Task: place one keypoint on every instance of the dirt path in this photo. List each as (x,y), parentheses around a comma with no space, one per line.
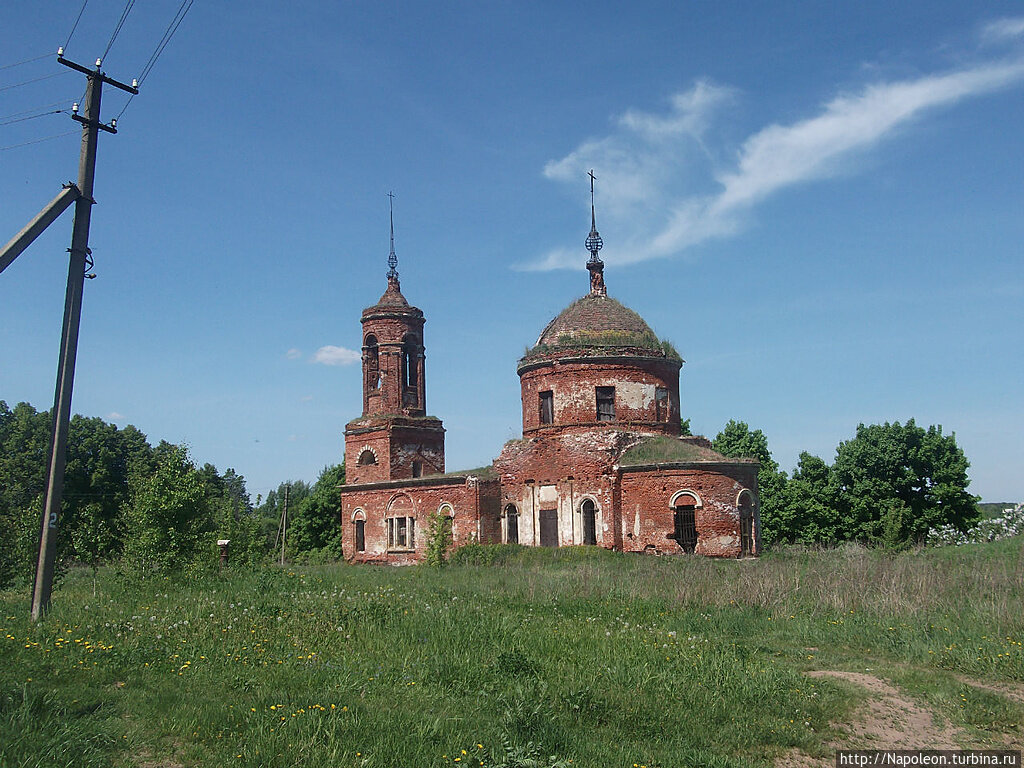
(887,720)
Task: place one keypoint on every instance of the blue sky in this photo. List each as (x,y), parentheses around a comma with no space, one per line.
(821,205)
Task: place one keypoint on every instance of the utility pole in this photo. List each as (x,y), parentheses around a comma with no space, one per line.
(79,262)
(284,522)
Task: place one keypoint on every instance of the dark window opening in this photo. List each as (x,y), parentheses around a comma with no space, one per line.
(746,527)
(549,527)
(547,407)
(511,524)
(366,458)
(589,522)
(661,403)
(410,362)
(360,535)
(685,524)
(606,403)
(371,358)
(417,469)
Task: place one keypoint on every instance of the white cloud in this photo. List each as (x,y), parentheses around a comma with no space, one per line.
(115,416)
(1003,30)
(307,398)
(331,355)
(293,354)
(656,211)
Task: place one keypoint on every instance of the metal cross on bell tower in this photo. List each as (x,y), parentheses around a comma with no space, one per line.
(392,257)
(595,244)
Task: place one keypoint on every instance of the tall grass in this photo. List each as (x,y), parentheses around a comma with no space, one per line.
(574,654)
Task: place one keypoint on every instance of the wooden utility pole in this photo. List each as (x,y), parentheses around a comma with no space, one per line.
(79,262)
(284,522)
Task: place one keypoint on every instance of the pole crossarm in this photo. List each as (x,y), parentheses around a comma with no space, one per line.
(34,228)
(96,73)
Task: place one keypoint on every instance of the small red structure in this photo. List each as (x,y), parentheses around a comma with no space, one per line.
(601,461)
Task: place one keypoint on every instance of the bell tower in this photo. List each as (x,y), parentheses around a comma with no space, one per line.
(394,438)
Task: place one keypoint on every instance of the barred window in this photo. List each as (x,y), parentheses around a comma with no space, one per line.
(401,533)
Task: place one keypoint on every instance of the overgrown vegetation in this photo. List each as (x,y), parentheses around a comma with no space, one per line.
(151,510)
(888,486)
(537,655)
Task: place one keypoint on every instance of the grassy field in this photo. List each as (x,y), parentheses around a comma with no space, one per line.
(567,657)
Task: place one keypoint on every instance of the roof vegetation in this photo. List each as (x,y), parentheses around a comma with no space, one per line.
(661,449)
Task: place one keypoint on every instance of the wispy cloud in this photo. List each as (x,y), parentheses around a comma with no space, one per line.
(293,354)
(1003,30)
(115,416)
(655,212)
(331,355)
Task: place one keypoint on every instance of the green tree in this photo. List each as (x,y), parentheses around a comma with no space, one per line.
(315,528)
(24,454)
(808,514)
(684,428)
(167,520)
(738,441)
(892,482)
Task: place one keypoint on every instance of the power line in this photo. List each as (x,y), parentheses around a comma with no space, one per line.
(179,17)
(168,34)
(37,141)
(35,80)
(26,61)
(73,28)
(32,117)
(117,29)
(36,109)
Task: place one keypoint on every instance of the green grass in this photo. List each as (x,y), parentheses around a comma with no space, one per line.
(585,655)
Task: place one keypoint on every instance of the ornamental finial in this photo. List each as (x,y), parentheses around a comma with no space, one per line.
(595,244)
(392,257)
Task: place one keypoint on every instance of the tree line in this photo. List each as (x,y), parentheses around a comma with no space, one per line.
(887,486)
(150,509)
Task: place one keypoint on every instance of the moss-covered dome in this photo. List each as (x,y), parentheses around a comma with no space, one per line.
(597,324)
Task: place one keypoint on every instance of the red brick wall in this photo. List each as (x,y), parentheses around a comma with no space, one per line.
(397,442)
(474,502)
(647,518)
(574,383)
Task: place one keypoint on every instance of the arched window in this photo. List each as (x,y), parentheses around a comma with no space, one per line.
(371,362)
(589,512)
(359,525)
(366,458)
(511,524)
(684,520)
(746,508)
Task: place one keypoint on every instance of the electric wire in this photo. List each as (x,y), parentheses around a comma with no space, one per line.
(75,26)
(183,10)
(34,80)
(33,117)
(36,109)
(117,29)
(27,61)
(37,141)
(186,5)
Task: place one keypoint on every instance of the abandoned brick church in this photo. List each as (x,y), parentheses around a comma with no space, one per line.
(601,461)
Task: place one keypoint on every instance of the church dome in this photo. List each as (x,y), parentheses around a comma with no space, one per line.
(597,325)
(592,318)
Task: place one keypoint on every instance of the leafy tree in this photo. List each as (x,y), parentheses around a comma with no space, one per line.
(738,441)
(167,520)
(808,514)
(315,526)
(269,512)
(684,428)
(24,454)
(895,481)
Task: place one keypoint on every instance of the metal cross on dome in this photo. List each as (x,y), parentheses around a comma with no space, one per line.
(392,257)
(594,241)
